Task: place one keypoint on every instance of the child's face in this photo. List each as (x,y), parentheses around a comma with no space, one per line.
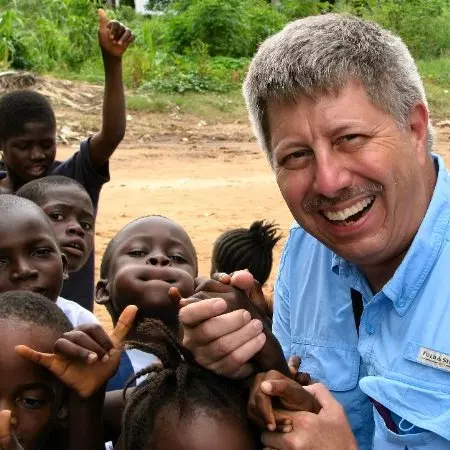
(30,155)
(30,392)
(71,215)
(29,256)
(153,254)
(204,431)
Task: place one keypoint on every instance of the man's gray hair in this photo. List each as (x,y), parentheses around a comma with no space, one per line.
(320,54)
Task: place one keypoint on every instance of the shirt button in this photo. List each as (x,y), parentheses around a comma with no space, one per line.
(401,303)
(370,328)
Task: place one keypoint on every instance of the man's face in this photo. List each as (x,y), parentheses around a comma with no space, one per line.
(30,155)
(350,175)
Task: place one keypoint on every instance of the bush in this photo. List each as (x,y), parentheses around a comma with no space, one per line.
(423,25)
(229,28)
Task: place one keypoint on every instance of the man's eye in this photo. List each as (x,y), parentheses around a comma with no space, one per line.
(296,159)
(56,216)
(347,138)
(137,253)
(3,262)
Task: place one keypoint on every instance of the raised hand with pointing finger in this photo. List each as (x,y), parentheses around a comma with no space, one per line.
(113,37)
(84,360)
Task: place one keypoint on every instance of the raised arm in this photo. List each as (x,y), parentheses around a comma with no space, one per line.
(114,38)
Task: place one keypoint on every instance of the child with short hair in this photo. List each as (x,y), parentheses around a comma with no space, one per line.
(30,258)
(246,248)
(71,214)
(145,259)
(38,411)
(28,140)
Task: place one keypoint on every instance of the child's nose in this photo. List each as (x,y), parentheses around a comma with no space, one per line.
(158,260)
(22,270)
(75,228)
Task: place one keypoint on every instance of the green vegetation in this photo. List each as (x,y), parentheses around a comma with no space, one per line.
(200,46)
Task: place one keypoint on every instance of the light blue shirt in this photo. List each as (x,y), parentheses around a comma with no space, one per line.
(402,355)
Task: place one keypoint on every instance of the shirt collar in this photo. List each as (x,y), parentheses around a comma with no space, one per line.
(402,288)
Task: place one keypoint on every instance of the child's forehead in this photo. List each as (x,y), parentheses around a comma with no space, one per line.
(156,228)
(69,195)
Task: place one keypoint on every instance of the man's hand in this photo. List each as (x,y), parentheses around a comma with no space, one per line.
(221,342)
(82,362)
(113,37)
(8,440)
(275,387)
(224,336)
(327,430)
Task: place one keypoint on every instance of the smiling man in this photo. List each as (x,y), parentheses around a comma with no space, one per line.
(339,108)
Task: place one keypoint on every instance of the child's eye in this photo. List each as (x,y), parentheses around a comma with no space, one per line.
(87,226)
(3,262)
(137,253)
(43,252)
(31,402)
(56,216)
(178,259)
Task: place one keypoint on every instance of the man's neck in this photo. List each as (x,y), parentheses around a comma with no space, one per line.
(10,184)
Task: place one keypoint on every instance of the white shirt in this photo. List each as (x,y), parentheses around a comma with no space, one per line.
(76,313)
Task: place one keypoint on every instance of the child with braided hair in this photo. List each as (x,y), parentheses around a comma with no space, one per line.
(183,406)
(246,248)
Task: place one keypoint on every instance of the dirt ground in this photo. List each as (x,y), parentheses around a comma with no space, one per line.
(206,175)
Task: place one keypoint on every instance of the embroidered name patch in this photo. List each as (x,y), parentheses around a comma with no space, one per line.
(434,359)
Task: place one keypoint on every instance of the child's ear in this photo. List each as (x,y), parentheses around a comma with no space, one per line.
(102,292)
(65,263)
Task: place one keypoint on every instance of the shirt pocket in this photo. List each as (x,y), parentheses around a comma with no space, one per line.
(385,439)
(335,365)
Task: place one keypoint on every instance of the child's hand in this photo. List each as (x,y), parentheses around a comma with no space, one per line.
(113,37)
(273,387)
(85,370)
(8,440)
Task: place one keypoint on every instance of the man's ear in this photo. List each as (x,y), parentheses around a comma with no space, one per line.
(102,293)
(65,264)
(418,121)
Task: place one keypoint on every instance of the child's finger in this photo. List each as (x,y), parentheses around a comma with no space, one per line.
(8,440)
(222,277)
(115,29)
(99,335)
(124,325)
(292,395)
(44,359)
(82,352)
(294,364)
(283,422)
(175,296)
(263,404)
(78,345)
(125,37)
(102,18)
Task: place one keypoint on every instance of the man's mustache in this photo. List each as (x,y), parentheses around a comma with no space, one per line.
(321,202)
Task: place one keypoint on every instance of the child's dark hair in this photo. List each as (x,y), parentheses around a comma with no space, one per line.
(178,383)
(30,307)
(246,248)
(20,107)
(10,202)
(41,189)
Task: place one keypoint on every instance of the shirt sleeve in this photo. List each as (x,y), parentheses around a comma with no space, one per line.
(79,167)
(281,315)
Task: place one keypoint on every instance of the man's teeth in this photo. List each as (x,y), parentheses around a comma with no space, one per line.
(348,212)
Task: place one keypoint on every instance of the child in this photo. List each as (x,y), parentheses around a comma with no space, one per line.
(37,411)
(28,140)
(30,258)
(140,264)
(71,213)
(183,406)
(244,248)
